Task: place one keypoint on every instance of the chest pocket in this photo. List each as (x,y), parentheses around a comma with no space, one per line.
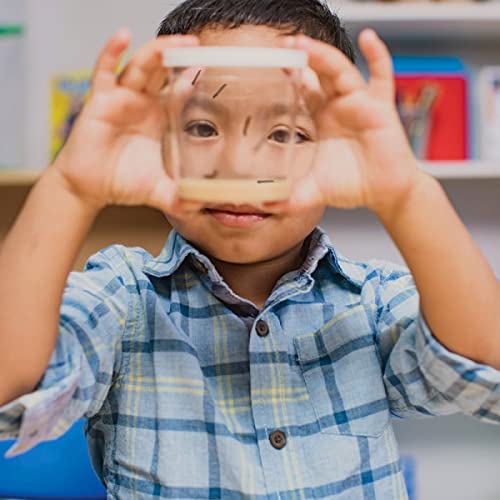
(343,375)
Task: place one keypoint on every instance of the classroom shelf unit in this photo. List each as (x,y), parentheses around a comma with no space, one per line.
(421,20)
(443,170)
(18,178)
(473,169)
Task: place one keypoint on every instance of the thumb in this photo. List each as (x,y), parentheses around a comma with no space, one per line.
(305,194)
(164,194)
(165,198)
(311,92)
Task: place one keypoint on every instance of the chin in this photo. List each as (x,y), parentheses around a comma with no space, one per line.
(238,252)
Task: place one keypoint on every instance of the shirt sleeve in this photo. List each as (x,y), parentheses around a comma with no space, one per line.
(422,377)
(85,361)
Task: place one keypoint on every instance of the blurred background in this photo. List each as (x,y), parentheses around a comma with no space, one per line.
(448,79)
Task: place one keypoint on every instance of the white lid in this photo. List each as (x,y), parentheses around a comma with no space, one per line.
(253,57)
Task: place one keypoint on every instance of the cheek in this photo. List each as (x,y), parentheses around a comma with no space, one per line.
(299,226)
(303,159)
(190,228)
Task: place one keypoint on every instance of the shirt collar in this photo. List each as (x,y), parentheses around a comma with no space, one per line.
(177,250)
(321,248)
(174,253)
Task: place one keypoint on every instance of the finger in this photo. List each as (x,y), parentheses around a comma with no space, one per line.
(157,82)
(379,63)
(107,63)
(149,59)
(337,74)
(165,198)
(305,194)
(179,90)
(164,193)
(311,91)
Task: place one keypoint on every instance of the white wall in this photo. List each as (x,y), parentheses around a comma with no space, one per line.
(359,235)
(66,35)
(12,11)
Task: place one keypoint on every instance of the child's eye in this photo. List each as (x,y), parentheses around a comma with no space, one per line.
(203,130)
(282,136)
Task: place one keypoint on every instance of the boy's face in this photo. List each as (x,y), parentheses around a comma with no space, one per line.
(243,234)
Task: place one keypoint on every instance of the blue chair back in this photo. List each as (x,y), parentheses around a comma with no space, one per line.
(409,466)
(54,470)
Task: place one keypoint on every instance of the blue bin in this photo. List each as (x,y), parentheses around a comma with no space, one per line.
(54,470)
(409,466)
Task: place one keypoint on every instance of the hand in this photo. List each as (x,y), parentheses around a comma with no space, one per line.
(363,157)
(114,154)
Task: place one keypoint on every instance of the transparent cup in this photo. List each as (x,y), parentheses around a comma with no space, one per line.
(232,132)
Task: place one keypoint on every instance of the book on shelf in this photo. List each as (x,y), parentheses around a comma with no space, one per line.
(489,98)
(433,102)
(69,92)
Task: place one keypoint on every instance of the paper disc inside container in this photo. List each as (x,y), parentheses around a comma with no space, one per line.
(234,190)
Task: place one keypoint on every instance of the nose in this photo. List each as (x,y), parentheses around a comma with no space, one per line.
(236,158)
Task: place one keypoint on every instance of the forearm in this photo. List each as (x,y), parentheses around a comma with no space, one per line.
(35,261)
(459,293)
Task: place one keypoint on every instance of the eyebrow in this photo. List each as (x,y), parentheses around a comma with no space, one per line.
(280,109)
(205,104)
(216,107)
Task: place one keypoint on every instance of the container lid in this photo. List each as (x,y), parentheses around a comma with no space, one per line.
(232,57)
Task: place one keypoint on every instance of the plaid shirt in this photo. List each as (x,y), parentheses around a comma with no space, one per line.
(191,392)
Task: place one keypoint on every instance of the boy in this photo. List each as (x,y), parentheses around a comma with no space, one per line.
(249,359)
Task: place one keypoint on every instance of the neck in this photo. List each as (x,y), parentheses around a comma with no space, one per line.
(255,282)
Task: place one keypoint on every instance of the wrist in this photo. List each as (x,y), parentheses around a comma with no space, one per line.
(59,183)
(67,174)
(411,198)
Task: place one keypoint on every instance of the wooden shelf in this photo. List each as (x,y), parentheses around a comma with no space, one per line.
(18,177)
(423,20)
(472,169)
(444,170)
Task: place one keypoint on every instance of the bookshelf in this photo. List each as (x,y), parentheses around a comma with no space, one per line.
(471,31)
(420,20)
(473,169)
(17,178)
(444,170)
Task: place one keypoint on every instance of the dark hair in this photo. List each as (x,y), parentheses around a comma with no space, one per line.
(309,17)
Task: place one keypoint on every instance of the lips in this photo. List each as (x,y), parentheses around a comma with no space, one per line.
(237,216)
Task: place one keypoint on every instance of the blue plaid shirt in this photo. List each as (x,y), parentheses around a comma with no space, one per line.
(192,392)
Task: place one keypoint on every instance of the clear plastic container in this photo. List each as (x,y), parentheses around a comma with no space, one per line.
(232,130)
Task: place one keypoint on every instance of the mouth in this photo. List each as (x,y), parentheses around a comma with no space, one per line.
(237,216)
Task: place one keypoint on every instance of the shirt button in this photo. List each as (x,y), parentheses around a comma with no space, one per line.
(262,328)
(278,439)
